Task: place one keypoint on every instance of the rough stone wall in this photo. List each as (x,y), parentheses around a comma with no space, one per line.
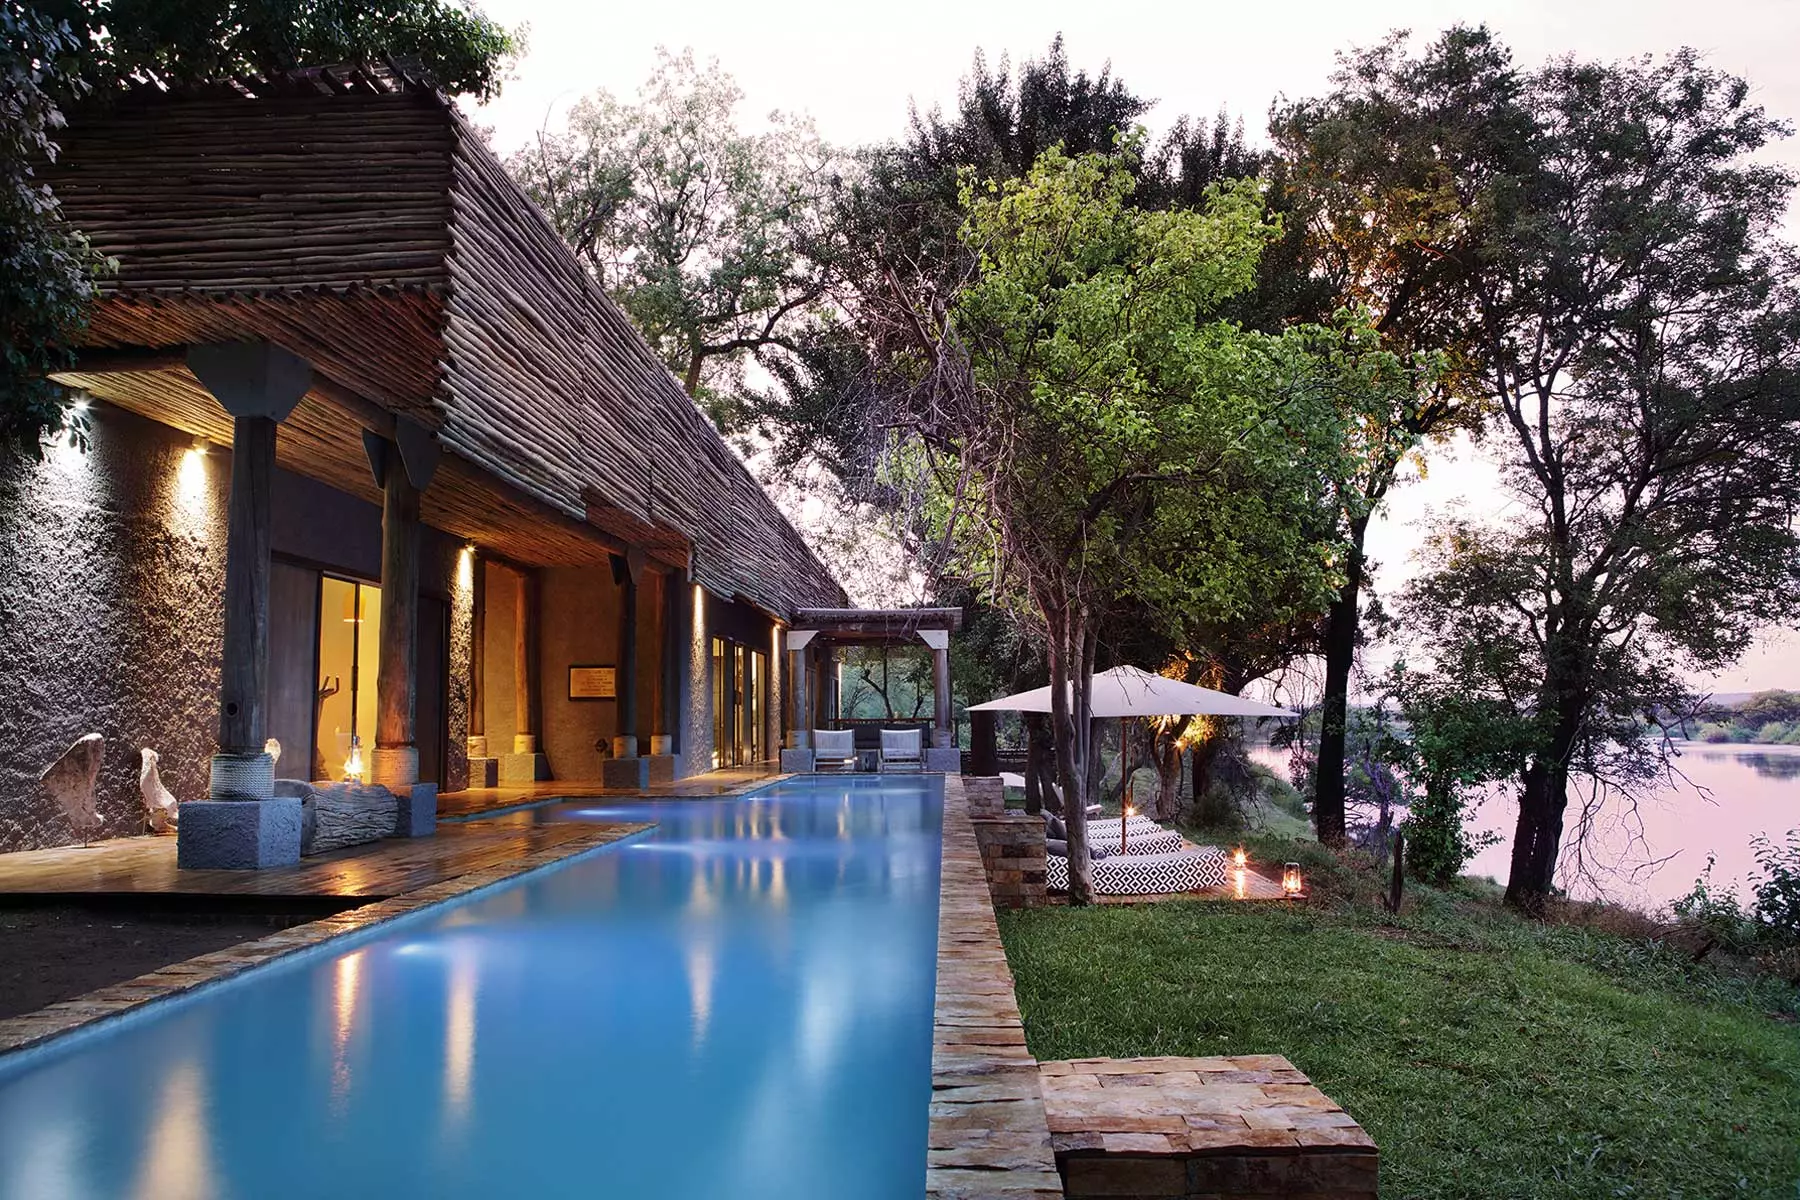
(1012,848)
(111,564)
(697,734)
(458,680)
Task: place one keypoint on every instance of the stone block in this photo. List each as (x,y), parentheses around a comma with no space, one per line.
(943,760)
(625,773)
(662,766)
(985,795)
(796,761)
(238,835)
(416,810)
(521,768)
(484,772)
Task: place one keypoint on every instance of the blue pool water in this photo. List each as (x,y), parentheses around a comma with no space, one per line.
(736,1005)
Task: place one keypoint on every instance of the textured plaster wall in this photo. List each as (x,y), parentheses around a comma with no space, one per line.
(111,565)
(579,625)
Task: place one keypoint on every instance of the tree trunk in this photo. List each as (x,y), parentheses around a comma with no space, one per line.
(1038,760)
(1544,798)
(1167,751)
(1340,655)
(1071,702)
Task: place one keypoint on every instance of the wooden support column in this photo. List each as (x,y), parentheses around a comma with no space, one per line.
(626,572)
(800,727)
(258,384)
(403,468)
(942,733)
(478,747)
(525,663)
(244,671)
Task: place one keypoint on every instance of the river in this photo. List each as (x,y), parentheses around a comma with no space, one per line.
(1651,855)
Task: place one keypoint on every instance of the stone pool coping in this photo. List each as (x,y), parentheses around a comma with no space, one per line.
(34,1030)
(990,1136)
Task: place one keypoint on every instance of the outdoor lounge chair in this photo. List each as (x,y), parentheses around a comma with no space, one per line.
(834,749)
(902,749)
(1146,874)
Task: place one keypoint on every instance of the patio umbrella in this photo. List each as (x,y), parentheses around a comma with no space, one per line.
(1130,692)
(1126,692)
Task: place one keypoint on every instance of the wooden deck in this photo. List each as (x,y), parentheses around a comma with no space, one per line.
(141,866)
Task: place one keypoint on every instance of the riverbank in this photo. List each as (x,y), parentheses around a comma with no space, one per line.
(1487,1055)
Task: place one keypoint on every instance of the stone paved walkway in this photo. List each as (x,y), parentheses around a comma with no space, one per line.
(989,1134)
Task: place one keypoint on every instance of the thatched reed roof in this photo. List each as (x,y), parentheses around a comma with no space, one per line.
(354,217)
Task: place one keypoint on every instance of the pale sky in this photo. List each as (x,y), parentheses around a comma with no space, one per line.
(854,68)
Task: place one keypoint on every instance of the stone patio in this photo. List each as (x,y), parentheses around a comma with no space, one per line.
(1228,1128)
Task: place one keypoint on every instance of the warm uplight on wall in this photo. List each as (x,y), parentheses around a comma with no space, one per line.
(190,478)
(465,570)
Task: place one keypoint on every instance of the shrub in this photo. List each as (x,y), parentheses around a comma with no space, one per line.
(1772,731)
(1438,845)
(1778,893)
(1716,915)
(1713,731)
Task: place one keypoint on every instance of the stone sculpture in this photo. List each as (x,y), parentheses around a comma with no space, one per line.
(272,748)
(160,805)
(70,781)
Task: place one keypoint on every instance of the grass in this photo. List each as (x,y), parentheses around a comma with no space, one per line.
(1489,1056)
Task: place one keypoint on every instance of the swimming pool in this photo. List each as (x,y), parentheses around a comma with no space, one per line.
(738,1003)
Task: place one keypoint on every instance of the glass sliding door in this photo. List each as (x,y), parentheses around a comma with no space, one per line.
(721,701)
(740,707)
(349,640)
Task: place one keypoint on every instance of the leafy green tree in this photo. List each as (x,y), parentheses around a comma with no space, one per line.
(1461,734)
(1640,337)
(1099,440)
(54,52)
(1398,177)
(46,269)
(197,41)
(708,236)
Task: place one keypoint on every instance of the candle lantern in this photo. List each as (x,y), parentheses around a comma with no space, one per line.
(1291,881)
(1239,858)
(353,766)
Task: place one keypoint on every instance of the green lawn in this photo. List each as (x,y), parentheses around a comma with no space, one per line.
(1487,1055)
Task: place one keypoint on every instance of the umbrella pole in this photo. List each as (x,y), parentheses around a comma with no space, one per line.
(1124,790)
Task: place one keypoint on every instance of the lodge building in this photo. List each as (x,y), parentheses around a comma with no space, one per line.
(373,468)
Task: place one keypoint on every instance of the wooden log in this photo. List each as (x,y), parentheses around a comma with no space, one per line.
(346,814)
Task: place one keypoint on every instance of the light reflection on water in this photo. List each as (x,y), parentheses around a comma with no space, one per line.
(739,1004)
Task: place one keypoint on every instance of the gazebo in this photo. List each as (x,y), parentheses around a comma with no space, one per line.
(819,632)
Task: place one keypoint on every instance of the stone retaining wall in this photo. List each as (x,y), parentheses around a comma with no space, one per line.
(989,1137)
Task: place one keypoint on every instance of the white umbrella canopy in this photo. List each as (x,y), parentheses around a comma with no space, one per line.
(1129,692)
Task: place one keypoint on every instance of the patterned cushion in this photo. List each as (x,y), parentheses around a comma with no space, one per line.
(1146,874)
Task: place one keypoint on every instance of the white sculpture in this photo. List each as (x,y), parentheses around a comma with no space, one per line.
(70,781)
(160,804)
(272,748)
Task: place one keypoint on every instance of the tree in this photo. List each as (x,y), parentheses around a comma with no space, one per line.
(1639,332)
(1397,177)
(1099,440)
(57,51)
(46,269)
(708,236)
(1464,729)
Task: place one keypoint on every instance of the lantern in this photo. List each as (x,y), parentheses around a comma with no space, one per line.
(353,766)
(1239,859)
(1291,881)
